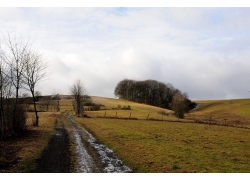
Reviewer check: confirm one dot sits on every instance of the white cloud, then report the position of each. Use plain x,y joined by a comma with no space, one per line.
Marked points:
201,51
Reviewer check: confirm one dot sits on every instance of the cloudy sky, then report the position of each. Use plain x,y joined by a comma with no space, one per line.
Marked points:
204,52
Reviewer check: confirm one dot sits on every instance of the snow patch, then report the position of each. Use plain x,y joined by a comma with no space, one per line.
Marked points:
111,163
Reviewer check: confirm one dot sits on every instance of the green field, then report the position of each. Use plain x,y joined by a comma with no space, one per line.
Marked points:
163,143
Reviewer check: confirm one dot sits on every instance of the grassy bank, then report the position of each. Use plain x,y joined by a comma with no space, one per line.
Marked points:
235,112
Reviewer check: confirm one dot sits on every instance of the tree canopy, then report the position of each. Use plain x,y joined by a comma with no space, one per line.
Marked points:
149,92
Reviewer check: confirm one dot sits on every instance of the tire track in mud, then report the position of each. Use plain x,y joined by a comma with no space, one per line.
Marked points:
92,156
56,157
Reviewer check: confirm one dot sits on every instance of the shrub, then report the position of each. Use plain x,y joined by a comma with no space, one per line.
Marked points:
96,107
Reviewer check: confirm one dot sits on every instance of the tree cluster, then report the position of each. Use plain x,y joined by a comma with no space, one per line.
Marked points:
153,93
20,68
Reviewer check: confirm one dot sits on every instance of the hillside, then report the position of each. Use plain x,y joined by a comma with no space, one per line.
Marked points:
235,112
167,144
120,108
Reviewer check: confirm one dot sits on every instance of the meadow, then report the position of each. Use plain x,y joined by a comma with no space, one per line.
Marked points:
212,138
235,112
167,144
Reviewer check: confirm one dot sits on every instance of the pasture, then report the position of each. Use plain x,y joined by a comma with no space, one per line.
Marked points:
234,112
168,144
212,138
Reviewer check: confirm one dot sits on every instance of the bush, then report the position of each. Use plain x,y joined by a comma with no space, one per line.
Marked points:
96,107
126,107
13,120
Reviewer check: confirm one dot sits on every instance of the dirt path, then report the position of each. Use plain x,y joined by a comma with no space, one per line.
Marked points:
72,141
56,157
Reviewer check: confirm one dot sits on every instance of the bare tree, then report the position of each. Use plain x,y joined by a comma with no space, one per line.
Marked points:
38,95
77,90
12,116
14,56
3,87
35,71
45,102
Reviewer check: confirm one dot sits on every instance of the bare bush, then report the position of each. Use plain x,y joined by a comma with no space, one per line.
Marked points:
77,90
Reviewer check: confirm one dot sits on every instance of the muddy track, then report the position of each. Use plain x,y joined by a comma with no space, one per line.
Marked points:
56,157
72,141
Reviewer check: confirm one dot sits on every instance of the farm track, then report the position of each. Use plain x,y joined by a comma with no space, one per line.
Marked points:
89,155
56,157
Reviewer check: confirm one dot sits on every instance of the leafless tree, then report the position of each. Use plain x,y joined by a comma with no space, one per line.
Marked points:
15,56
15,50
45,102
3,88
38,94
77,90
35,71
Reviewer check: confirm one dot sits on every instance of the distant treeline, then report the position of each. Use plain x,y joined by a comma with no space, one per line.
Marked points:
149,92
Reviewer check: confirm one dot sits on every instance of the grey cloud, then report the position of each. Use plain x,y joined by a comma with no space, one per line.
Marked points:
201,51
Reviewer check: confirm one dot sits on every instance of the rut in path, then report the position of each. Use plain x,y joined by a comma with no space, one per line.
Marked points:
56,157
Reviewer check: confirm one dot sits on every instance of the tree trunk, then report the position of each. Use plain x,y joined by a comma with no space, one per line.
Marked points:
78,108
34,103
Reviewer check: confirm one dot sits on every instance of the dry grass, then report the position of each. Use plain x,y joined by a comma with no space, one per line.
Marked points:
223,112
66,105
19,155
165,145
169,146
113,108
157,146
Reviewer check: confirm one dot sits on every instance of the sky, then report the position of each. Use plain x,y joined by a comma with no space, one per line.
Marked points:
202,51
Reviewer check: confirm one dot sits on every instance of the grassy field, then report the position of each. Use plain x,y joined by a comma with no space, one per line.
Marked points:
150,139
169,145
223,112
24,151
117,108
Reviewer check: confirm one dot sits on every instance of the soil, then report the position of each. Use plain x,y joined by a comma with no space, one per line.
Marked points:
10,159
56,157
